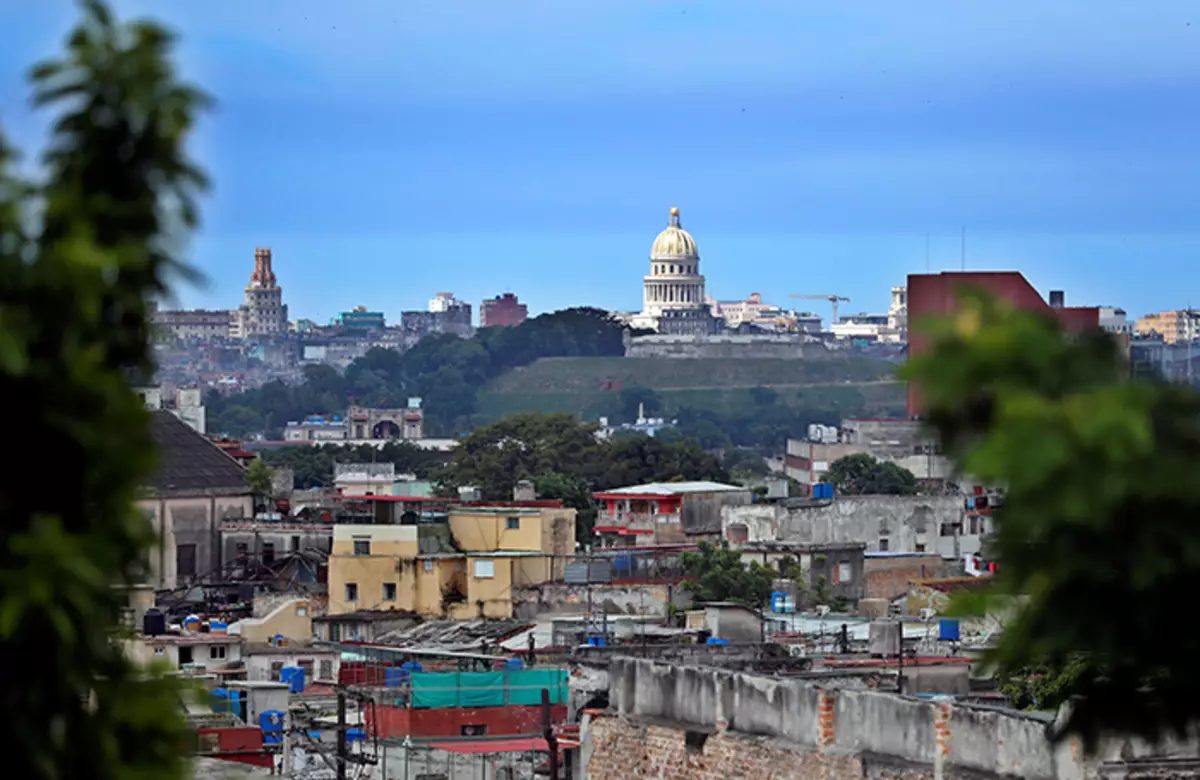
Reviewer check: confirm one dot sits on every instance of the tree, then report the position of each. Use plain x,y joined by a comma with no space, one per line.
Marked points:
564,459
81,251
1097,534
260,476
718,574
860,474
640,399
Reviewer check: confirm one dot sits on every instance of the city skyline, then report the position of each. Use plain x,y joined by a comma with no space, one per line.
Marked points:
386,153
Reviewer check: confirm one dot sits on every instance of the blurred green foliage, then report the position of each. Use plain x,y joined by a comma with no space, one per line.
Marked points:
82,248
1099,531
716,573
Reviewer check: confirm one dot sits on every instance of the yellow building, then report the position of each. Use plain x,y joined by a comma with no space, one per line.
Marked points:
495,548
1173,325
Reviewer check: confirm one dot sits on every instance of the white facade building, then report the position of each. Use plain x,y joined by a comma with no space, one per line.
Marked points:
674,288
1113,320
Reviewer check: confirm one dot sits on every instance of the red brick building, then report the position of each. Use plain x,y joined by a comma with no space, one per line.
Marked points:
503,311
937,295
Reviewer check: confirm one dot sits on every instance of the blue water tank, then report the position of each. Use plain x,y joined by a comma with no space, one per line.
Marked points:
514,665
217,626
355,735
712,640
596,641
294,677
948,629
822,490
220,700
623,563
271,723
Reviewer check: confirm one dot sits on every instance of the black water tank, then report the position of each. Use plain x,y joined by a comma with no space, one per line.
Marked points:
154,623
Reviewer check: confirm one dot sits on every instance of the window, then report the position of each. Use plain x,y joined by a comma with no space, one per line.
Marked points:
351,591
241,550
326,669
951,529
473,730
428,565
295,544
307,665
335,632
216,652
185,560
362,546
513,524
268,555
920,547
276,670
160,651
485,570
844,573
883,545
389,591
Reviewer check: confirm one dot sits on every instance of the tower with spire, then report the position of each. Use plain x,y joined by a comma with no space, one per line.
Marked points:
263,312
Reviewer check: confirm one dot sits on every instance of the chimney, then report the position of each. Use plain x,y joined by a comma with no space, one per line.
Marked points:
524,491
1057,299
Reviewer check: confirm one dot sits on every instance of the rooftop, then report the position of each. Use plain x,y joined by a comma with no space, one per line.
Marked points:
672,489
455,635
190,463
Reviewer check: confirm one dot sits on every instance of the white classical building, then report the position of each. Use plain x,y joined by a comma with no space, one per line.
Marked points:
673,299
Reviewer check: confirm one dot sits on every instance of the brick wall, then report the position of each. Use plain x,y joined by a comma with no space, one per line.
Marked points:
622,750
888,578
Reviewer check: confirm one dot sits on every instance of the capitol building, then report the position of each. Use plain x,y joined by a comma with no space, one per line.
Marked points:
673,298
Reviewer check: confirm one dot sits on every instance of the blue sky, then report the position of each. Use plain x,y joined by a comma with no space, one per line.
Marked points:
390,149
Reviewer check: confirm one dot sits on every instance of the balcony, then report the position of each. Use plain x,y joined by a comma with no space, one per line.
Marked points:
633,523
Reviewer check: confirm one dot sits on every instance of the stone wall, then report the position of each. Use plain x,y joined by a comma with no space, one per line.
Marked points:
689,722
729,346
888,576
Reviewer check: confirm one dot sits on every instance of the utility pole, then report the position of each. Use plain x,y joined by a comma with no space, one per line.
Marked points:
341,736
900,656
548,733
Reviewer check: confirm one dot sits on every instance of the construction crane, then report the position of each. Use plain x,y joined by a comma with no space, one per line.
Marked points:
834,300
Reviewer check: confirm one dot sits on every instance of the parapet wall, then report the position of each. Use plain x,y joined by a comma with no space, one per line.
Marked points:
681,722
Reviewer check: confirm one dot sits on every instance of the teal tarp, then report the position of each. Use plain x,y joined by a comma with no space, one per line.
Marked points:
487,689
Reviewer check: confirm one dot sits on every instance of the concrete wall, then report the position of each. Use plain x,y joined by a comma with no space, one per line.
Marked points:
701,512
908,523
690,722
554,599
291,619
888,577
283,538
194,521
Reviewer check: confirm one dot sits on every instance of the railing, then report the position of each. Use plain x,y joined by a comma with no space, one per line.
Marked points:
648,566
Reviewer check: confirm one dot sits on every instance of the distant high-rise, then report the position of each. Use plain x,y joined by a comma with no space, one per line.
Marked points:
503,311
263,313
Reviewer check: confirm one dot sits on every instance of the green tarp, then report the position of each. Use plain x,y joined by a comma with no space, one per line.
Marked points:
487,689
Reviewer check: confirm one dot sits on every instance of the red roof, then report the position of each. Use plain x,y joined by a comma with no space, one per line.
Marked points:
508,745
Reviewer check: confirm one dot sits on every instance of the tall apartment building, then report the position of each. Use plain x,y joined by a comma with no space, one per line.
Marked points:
503,311
263,313
1172,326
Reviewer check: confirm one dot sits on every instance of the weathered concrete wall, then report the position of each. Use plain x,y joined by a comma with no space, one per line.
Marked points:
553,599
189,521
908,523
701,513
690,722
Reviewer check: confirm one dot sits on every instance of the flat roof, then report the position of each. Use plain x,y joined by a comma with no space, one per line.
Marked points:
672,489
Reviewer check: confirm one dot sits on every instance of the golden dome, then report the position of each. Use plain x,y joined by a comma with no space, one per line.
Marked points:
674,242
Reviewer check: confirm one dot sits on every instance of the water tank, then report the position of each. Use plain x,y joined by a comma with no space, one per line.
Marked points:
294,677
271,723
712,640
191,623
154,623
218,626
513,665
948,629
220,700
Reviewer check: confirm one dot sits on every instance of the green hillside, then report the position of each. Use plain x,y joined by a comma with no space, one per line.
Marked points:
591,387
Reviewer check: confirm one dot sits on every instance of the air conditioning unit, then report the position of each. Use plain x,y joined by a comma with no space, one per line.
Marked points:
822,610
926,613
